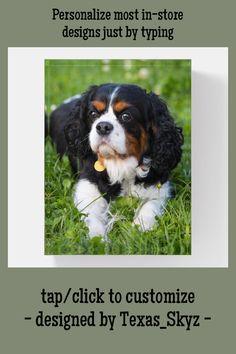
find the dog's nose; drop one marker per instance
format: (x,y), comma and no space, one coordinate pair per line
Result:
(104,128)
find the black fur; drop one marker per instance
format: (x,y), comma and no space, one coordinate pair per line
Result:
(45,125)
(70,125)
(166,140)
(58,120)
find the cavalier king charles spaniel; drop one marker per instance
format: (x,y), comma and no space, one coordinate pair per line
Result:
(126,144)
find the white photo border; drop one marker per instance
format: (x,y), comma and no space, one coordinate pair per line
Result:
(209,157)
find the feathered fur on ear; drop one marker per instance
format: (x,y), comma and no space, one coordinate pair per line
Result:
(77,130)
(166,138)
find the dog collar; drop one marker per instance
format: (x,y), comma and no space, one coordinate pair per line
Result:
(159,185)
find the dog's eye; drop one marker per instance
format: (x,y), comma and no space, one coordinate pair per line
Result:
(126,117)
(94,114)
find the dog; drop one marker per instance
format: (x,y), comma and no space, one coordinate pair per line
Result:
(126,143)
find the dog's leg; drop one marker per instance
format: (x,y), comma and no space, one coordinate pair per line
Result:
(89,201)
(154,200)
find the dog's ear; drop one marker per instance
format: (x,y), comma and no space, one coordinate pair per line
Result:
(77,129)
(166,138)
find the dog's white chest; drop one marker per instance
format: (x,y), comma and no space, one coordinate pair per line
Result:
(127,187)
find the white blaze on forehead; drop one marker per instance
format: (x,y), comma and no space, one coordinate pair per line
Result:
(110,112)
(113,95)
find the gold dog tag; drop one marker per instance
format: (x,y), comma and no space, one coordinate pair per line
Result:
(99,166)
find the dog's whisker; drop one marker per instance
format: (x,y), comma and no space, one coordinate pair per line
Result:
(86,137)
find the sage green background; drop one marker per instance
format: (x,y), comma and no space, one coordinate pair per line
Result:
(28,23)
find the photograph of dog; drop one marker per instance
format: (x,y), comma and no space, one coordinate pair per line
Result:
(120,140)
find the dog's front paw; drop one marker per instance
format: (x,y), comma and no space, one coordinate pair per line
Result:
(145,217)
(96,227)
(144,224)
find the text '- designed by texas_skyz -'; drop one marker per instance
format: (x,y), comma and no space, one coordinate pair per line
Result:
(111,320)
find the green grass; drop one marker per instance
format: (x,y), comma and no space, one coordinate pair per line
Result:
(65,232)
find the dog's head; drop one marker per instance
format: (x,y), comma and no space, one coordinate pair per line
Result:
(123,123)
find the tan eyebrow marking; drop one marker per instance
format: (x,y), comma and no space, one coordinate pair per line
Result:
(120,105)
(99,105)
